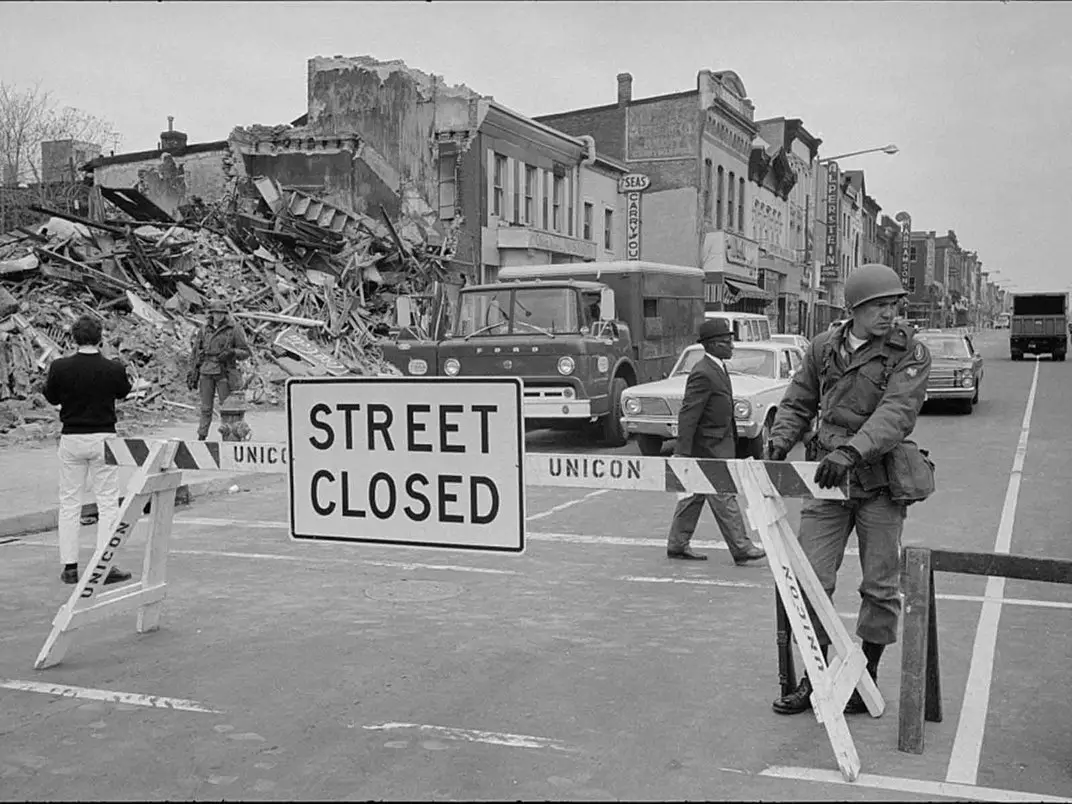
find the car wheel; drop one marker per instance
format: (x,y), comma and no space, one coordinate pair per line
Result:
(1059,357)
(964,406)
(1017,355)
(614,434)
(649,444)
(978,388)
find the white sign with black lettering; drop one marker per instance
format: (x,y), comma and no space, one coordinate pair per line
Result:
(418,461)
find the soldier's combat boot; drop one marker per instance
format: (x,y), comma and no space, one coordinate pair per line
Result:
(873,652)
(799,700)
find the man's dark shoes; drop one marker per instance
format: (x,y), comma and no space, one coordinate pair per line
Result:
(799,700)
(116,575)
(685,555)
(753,554)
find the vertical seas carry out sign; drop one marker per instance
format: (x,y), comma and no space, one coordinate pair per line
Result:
(429,462)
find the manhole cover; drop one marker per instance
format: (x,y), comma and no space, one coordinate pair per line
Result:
(405,591)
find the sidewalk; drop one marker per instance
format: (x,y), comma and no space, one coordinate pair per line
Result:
(29,473)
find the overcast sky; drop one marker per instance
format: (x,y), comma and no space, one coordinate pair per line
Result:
(978,96)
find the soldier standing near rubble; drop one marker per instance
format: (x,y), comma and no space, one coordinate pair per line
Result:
(86,386)
(217,348)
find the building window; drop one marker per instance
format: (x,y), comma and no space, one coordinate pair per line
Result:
(447,185)
(530,194)
(608,227)
(517,191)
(587,230)
(912,254)
(718,198)
(499,192)
(708,189)
(570,219)
(556,207)
(740,205)
(730,220)
(545,201)
(911,284)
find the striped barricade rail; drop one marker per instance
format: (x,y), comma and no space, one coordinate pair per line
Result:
(588,471)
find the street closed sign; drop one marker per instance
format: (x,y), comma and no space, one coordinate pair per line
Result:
(429,462)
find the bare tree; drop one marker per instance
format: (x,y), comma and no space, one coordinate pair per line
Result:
(29,117)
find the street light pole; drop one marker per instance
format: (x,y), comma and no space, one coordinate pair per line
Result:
(890,149)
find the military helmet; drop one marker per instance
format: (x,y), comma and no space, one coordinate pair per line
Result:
(872,281)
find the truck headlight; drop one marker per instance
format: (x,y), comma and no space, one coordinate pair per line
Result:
(631,405)
(451,367)
(742,409)
(417,366)
(566,365)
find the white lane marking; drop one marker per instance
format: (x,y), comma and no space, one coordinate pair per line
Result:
(307,559)
(68,691)
(476,736)
(1010,601)
(922,787)
(565,505)
(968,743)
(694,581)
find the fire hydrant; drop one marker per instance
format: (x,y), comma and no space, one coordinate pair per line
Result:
(233,425)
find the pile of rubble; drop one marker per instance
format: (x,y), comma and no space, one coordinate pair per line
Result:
(313,285)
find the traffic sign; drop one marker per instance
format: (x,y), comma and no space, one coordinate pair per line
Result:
(418,461)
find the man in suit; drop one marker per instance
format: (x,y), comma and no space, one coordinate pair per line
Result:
(706,429)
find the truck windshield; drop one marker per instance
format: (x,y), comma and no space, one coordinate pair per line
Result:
(517,312)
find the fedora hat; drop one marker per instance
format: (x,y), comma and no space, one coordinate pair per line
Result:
(714,328)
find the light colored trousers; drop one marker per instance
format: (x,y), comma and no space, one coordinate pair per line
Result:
(82,460)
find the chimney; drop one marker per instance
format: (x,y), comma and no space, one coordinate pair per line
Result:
(172,141)
(625,89)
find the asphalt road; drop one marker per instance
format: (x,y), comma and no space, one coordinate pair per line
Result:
(588,668)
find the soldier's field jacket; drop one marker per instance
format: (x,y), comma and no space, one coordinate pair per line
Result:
(211,344)
(869,402)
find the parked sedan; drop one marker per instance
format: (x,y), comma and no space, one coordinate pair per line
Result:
(798,341)
(956,368)
(760,371)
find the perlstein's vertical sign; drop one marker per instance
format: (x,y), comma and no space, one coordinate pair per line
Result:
(832,265)
(906,245)
(632,185)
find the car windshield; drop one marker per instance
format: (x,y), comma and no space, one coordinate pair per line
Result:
(757,362)
(946,347)
(521,311)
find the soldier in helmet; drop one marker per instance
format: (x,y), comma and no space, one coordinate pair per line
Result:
(867,377)
(217,348)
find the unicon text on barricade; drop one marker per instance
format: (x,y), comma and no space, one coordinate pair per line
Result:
(429,462)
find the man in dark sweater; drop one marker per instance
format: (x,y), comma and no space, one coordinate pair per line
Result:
(86,386)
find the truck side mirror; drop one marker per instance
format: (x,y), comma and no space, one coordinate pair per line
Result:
(606,305)
(404,311)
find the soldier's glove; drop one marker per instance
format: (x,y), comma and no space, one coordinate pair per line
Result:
(835,466)
(774,452)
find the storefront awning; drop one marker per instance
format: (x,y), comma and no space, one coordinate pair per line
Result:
(745,290)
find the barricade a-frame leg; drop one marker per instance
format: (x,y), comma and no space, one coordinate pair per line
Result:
(90,602)
(921,696)
(832,683)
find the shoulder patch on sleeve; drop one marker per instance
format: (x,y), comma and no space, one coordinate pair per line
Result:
(920,352)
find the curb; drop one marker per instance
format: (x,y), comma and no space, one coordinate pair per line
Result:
(185,494)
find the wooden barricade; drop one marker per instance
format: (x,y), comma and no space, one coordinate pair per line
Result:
(762,485)
(156,482)
(921,693)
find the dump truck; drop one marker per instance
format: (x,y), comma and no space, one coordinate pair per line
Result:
(1039,325)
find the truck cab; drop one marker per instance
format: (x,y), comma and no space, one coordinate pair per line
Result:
(577,334)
